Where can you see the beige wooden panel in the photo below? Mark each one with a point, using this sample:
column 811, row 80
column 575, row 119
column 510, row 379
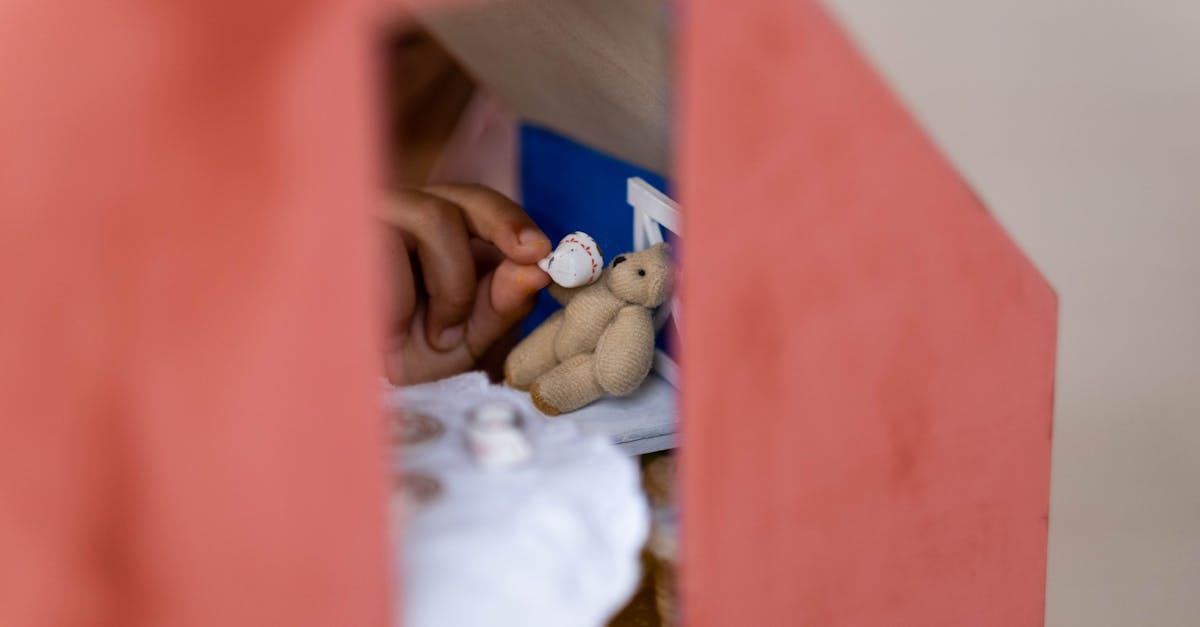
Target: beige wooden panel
column 595, row 70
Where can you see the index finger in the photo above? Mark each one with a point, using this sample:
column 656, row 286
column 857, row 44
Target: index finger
column 490, row 215
column 443, row 247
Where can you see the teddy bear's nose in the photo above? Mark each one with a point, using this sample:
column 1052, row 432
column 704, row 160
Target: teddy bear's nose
column 617, row 260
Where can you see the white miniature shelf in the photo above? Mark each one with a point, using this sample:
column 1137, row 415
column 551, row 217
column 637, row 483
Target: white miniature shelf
column 643, row 422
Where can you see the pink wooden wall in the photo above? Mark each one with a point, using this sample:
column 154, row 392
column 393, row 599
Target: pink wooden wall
column 187, row 337
column 188, row 423
column 868, row 359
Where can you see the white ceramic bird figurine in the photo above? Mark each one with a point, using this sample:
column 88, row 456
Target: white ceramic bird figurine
column 576, row 262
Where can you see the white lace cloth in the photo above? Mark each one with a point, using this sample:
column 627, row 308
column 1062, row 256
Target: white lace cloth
column 555, row 542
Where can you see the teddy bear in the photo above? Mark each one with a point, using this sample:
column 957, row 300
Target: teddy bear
column 602, row 340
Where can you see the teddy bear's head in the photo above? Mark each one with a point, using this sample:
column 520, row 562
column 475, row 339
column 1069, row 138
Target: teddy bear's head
column 642, row 278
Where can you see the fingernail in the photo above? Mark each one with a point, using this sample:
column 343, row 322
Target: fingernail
column 449, row 338
column 532, row 237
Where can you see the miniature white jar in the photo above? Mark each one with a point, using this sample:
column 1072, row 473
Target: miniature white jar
column 575, row 262
column 495, row 437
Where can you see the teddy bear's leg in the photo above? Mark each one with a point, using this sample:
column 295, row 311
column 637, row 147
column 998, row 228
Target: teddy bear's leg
column 571, row 385
column 534, row 356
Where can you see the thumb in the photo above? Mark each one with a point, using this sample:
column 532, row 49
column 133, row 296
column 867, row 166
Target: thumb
column 504, row 297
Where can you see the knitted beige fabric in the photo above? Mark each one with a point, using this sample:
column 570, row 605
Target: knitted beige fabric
column 602, row 342
column 534, row 356
column 569, row 386
column 626, row 351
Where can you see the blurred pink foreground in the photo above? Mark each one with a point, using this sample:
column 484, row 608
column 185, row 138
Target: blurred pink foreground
column 187, row 320
column 187, row 331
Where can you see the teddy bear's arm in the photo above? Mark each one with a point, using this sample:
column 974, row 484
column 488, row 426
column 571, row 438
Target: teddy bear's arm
column 626, row 351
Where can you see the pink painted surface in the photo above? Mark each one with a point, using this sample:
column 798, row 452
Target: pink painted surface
column 187, row 319
column 868, row 360
column 186, row 269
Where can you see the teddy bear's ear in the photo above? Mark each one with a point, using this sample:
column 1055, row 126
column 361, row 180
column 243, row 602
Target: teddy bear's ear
column 660, row 289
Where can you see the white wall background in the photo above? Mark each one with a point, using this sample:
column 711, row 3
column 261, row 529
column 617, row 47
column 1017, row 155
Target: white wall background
column 1079, row 124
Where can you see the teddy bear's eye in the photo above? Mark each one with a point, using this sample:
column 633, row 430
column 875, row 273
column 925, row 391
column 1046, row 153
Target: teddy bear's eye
column 641, row 272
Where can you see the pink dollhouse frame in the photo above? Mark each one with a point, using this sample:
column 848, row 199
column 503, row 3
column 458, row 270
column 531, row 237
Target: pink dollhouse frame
column 866, row 385
column 884, row 459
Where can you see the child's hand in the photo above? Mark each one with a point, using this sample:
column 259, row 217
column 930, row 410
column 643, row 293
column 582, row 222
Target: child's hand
column 463, row 274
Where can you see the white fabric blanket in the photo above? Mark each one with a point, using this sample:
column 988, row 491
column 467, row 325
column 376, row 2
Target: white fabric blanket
column 555, row 542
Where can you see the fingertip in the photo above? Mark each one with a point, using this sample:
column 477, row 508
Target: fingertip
column 525, row 245
column 444, row 329
column 514, row 284
column 535, row 241
column 532, row 278
column 443, row 333
column 506, row 295
column 535, row 277
column 449, row 338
